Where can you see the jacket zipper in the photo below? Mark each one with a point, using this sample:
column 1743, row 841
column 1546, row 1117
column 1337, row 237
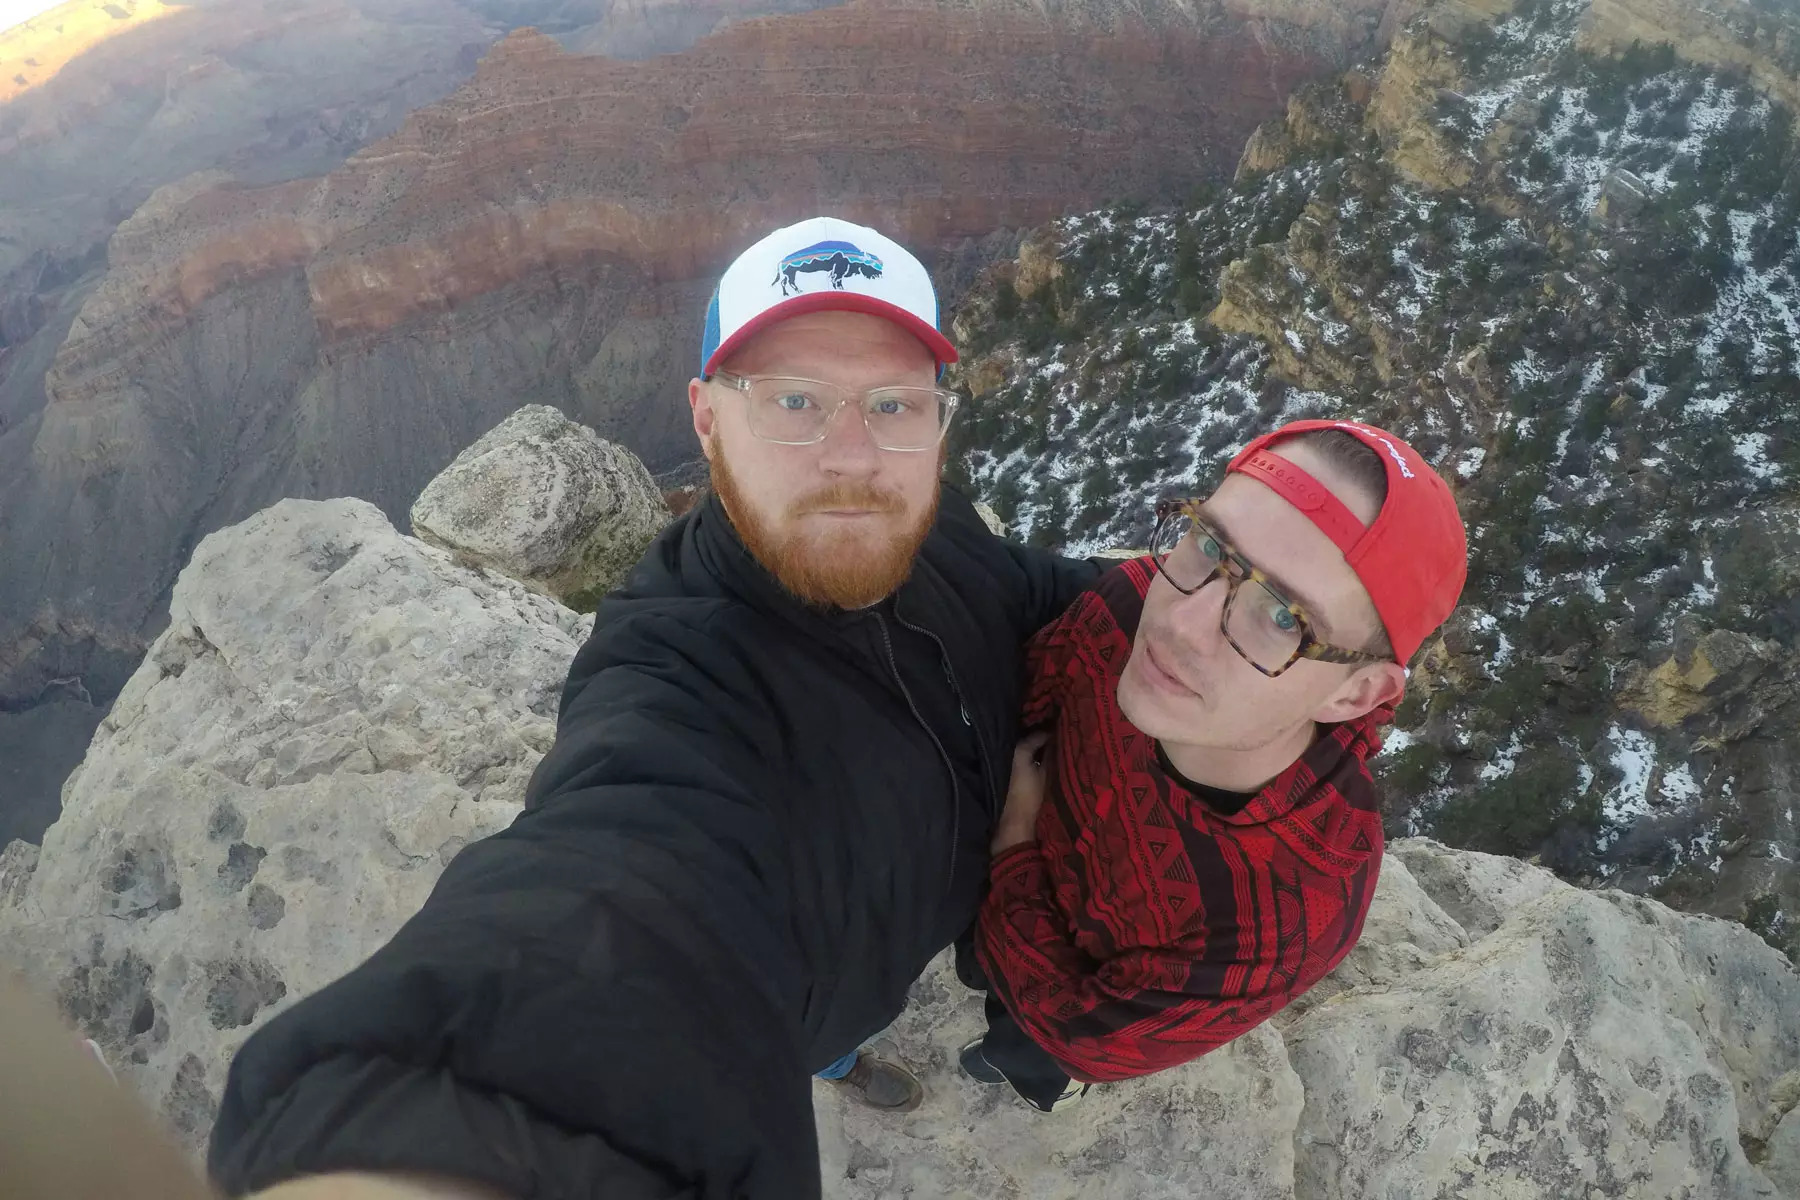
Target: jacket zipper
column 887, row 643
column 987, row 771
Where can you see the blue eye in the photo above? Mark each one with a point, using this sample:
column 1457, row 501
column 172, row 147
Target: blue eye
column 1284, row 619
column 794, row 401
column 890, row 407
column 1211, row 548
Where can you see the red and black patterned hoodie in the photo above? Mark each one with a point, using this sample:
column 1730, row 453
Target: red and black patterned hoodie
column 1145, row 927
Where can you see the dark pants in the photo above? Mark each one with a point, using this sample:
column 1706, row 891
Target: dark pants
column 1008, row 1048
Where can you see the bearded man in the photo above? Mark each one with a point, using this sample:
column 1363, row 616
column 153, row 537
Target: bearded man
column 778, row 764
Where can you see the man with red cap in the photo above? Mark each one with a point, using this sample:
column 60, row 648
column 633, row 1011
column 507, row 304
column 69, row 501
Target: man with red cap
column 1192, row 836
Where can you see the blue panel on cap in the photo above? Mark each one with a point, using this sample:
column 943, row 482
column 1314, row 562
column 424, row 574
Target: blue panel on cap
column 709, row 340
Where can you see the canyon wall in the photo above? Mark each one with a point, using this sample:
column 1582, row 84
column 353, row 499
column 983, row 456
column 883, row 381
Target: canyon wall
column 547, row 233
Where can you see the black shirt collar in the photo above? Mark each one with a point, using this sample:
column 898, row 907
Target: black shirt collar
column 1218, row 799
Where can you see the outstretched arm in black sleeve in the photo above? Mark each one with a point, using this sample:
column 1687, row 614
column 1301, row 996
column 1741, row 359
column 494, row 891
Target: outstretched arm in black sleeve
column 590, row 1003
column 1052, row 581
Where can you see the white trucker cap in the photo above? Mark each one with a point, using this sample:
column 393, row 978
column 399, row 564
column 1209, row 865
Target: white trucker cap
column 820, row 265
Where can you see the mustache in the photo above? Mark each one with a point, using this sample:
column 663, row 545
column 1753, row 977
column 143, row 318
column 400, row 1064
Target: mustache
column 849, row 495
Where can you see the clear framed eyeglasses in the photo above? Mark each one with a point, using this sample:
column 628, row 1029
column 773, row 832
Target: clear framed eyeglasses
column 798, row 412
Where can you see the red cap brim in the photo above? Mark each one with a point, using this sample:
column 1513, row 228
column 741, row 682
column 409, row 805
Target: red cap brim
column 834, row 301
column 1413, row 560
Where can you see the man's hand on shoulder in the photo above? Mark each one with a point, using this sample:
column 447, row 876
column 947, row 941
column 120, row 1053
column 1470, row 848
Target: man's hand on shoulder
column 1024, row 794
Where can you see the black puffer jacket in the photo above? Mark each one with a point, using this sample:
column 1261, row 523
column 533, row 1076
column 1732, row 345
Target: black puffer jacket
column 750, row 837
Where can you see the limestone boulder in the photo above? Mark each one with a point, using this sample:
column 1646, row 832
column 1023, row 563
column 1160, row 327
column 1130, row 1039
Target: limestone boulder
column 1221, row 1126
column 1040, row 264
column 336, row 709
column 548, row 501
column 1623, row 197
column 18, row 862
column 1561, row 1043
column 1592, row 1044
column 1269, row 147
column 1781, row 1156
column 1477, row 891
column 333, row 712
column 1706, row 669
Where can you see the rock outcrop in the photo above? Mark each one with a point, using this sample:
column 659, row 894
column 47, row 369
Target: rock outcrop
column 335, row 709
column 1316, row 119
column 1762, row 40
column 1560, row 1043
column 332, row 713
column 547, row 502
column 118, row 99
column 104, row 102
column 1566, row 1053
column 1781, row 1154
column 1703, row 672
column 1422, row 73
column 1623, row 197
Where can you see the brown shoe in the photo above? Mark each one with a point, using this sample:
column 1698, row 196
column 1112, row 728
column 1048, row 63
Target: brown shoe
column 879, row 1084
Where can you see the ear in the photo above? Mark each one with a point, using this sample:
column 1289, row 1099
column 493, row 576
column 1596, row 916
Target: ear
column 1365, row 691
column 700, row 401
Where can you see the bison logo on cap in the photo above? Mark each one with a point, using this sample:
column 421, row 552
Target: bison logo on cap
column 841, row 259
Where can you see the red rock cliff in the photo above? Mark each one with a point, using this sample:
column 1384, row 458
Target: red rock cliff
column 545, row 233
column 935, row 120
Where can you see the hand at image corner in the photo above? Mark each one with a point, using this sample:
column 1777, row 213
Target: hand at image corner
column 68, row 1131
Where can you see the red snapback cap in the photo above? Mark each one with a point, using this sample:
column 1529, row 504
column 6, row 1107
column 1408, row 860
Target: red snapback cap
column 1413, row 560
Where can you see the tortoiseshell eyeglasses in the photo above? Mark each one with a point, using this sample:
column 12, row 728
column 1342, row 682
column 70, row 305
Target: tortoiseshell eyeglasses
column 1268, row 631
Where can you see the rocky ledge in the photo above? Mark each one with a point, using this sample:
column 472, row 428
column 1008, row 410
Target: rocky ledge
column 337, row 708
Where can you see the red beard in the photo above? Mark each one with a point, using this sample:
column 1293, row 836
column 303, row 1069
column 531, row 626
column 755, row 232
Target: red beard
column 847, row 570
